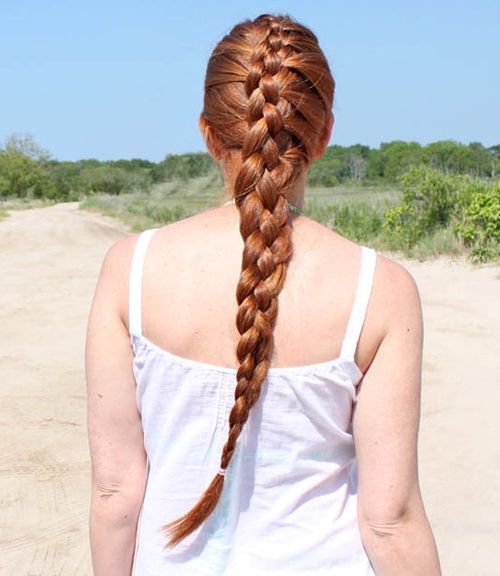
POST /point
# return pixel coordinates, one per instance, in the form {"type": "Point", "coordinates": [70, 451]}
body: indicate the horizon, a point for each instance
{"type": "Point", "coordinates": [124, 80]}
{"type": "Point", "coordinates": [53, 158]}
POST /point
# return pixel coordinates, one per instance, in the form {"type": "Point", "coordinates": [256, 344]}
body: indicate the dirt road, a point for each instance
{"type": "Point", "coordinates": [49, 261]}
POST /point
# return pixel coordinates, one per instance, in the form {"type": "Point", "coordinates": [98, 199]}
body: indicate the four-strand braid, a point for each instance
{"type": "Point", "coordinates": [274, 150]}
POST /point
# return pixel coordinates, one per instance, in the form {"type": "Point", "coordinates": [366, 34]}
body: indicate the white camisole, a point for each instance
{"type": "Point", "coordinates": [289, 503]}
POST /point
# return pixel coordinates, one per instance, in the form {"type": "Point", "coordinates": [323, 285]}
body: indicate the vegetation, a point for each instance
{"type": "Point", "coordinates": [442, 206]}
{"type": "Point", "coordinates": [477, 221]}
{"type": "Point", "coordinates": [423, 200]}
{"type": "Point", "coordinates": [27, 170]}
{"type": "Point", "coordinates": [359, 221]}
{"type": "Point", "coordinates": [163, 204]}
{"type": "Point", "coordinates": [388, 163]}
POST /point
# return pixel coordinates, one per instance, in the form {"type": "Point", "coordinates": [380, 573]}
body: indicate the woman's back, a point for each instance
{"type": "Point", "coordinates": [295, 460]}
{"type": "Point", "coordinates": [192, 269]}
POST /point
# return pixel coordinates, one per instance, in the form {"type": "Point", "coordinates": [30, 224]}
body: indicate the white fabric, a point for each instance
{"type": "Point", "coordinates": [135, 281]}
{"type": "Point", "coordinates": [358, 313]}
{"type": "Point", "coordinates": [289, 504]}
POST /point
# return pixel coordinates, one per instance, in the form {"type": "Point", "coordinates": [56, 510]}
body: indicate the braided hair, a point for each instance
{"type": "Point", "coordinates": [268, 98]}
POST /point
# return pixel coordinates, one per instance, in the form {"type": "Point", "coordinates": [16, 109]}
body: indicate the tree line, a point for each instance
{"type": "Point", "coordinates": [27, 170]}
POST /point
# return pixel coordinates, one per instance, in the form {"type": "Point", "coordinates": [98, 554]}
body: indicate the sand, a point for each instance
{"type": "Point", "coordinates": [49, 261]}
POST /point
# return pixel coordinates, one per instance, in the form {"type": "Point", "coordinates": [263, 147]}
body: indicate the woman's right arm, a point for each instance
{"type": "Point", "coordinates": [393, 524]}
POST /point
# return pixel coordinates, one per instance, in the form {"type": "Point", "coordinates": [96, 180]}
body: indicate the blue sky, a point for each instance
{"type": "Point", "coordinates": [116, 79]}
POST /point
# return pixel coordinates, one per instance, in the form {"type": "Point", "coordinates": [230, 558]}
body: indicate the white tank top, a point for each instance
{"type": "Point", "coordinates": [289, 503]}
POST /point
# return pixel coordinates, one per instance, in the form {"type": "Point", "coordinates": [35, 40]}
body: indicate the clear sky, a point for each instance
{"type": "Point", "coordinates": [114, 79]}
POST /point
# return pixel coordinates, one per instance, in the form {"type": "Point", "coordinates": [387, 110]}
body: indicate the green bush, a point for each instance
{"type": "Point", "coordinates": [398, 227]}
{"type": "Point", "coordinates": [433, 201]}
{"type": "Point", "coordinates": [109, 180]}
{"type": "Point", "coordinates": [427, 204]}
{"type": "Point", "coordinates": [478, 222]}
{"type": "Point", "coordinates": [22, 177]}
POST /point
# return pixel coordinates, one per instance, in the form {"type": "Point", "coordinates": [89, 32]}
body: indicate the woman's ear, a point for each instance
{"type": "Point", "coordinates": [211, 140]}
{"type": "Point", "coordinates": [325, 138]}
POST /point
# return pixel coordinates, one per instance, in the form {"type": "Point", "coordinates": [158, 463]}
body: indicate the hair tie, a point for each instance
{"type": "Point", "coordinates": [221, 472]}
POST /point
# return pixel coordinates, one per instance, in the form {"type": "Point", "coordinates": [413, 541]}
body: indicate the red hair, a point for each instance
{"type": "Point", "coordinates": [268, 99]}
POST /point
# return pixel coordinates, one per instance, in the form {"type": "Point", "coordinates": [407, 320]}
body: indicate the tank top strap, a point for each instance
{"type": "Point", "coordinates": [360, 305]}
{"type": "Point", "coordinates": [135, 282]}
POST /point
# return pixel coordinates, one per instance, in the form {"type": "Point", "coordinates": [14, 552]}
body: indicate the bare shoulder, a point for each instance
{"type": "Point", "coordinates": [392, 280]}
{"type": "Point", "coordinates": [116, 266]}
{"type": "Point", "coordinates": [119, 257]}
{"type": "Point", "coordinates": [395, 295]}
{"type": "Point", "coordinates": [395, 281]}
{"type": "Point", "coordinates": [112, 286]}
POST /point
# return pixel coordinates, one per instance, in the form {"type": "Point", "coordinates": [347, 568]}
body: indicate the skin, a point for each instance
{"type": "Point", "coordinates": [199, 311]}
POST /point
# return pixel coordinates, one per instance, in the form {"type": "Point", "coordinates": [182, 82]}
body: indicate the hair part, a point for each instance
{"type": "Point", "coordinates": [268, 98]}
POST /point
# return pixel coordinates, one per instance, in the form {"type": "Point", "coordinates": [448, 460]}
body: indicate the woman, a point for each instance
{"type": "Point", "coordinates": [256, 462]}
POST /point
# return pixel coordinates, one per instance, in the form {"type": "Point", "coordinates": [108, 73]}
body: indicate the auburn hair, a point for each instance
{"type": "Point", "coordinates": [268, 99]}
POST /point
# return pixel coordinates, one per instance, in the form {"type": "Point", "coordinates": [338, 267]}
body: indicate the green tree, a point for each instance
{"type": "Point", "coordinates": [107, 179]}
{"type": "Point", "coordinates": [184, 166]}
{"type": "Point", "coordinates": [22, 176]}
{"type": "Point", "coordinates": [398, 157]}
{"type": "Point", "coordinates": [427, 203]}
{"type": "Point", "coordinates": [23, 168]}
{"type": "Point", "coordinates": [456, 158]}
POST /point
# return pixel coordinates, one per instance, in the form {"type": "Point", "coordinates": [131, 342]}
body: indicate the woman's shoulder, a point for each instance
{"type": "Point", "coordinates": [117, 261]}
{"type": "Point", "coordinates": [119, 255]}
{"type": "Point", "coordinates": [394, 288]}
{"type": "Point", "coordinates": [390, 273]}
{"type": "Point", "coordinates": [395, 298]}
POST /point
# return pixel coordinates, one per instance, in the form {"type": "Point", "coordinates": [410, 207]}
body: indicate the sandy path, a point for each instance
{"type": "Point", "coordinates": [49, 261]}
{"type": "Point", "coordinates": [460, 431]}
{"type": "Point", "coordinates": [50, 258]}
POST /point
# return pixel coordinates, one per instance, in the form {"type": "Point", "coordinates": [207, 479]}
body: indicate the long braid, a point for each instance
{"type": "Point", "coordinates": [266, 233]}
{"type": "Point", "coordinates": [272, 154]}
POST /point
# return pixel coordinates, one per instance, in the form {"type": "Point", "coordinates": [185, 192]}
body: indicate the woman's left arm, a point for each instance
{"type": "Point", "coordinates": [119, 464]}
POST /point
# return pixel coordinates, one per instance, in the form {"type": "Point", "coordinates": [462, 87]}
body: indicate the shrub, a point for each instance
{"type": "Point", "coordinates": [432, 201]}
{"type": "Point", "coordinates": [107, 179]}
{"type": "Point", "coordinates": [478, 223]}
{"type": "Point", "coordinates": [427, 203]}
{"type": "Point", "coordinates": [21, 176]}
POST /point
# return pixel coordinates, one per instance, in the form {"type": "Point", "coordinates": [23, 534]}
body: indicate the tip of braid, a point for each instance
{"type": "Point", "coordinates": [183, 526]}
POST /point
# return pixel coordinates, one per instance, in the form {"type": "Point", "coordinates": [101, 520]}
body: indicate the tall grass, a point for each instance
{"type": "Point", "coordinates": [167, 202]}
{"type": "Point", "coordinates": [376, 196]}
